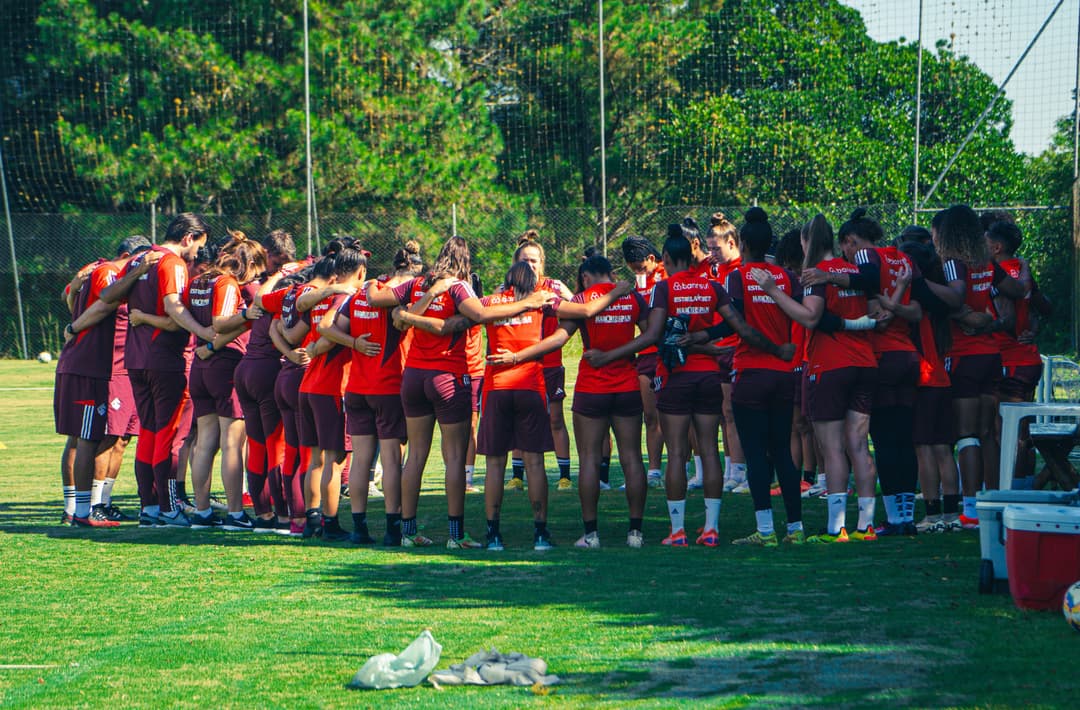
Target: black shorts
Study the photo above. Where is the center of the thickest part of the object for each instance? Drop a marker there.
(646, 365)
(760, 389)
(1019, 382)
(974, 375)
(934, 423)
(687, 393)
(79, 407)
(832, 393)
(897, 378)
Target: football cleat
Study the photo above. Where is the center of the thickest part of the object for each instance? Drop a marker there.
(361, 536)
(494, 543)
(463, 543)
(515, 484)
(96, 519)
(173, 519)
(565, 484)
(816, 491)
(238, 524)
(416, 540)
(827, 538)
(951, 522)
(543, 543)
(589, 541)
(694, 484)
(905, 529)
(931, 524)
(729, 484)
(635, 539)
(967, 523)
(677, 538)
(708, 538)
(114, 513)
(66, 518)
(757, 539)
(741, 487)
(604, 486)
(868, 535)
(205, 522)
(264, 525)
(797, 537)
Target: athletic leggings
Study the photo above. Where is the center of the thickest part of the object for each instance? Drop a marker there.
(766, 436)
(894, 452)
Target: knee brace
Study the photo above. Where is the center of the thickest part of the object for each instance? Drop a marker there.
(966, 441)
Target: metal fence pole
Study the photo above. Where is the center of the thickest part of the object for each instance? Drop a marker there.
(603, 141)
(1076, 195)
(14, 261)
(307, 126)
(918, 119)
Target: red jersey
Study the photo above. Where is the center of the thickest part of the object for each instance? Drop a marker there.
(705, 269)
(442, 353)
(514, 334)
(889, 260)
(932, 372)
(722, 271)
(1013, 352)
(607, 330)
(90, 352)
(150, 348)
(551, 321)
(644, 289)
(844, 348)
(760, 311)
(696, 299)
(474, 351)
(978, 282)
(373, 374)
(217, 297)
(326, 374)
(798, 336)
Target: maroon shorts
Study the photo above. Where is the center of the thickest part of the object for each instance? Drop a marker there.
(159, 398)
(800, 385)
(691, 393)
(185, 424)
(555, 382)
(974, 375)
(760, 389)
(123, 419)
(379, 415)
(287, 399)
(445, 396)
(831, 394)
(322, 422)
(1019, 382)
(79, 406)
(934, 422)
(513, 419)
(646, 365)
(726, 361)
(477, 385)
(255, 380)
(213, 388)
(897, 378)
(597, 405)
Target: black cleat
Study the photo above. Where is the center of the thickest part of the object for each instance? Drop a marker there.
(391, 540)
(361, 536)
(114, 513)
(205, 522)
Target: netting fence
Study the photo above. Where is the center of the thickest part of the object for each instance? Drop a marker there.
(487, 116)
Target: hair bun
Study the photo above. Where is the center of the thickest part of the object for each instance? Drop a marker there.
(412, 246)
(689, 222)
(756, 215)
(858, 213)
(530, 235)
(717, 218)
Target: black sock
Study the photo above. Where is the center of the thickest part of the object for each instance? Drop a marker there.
(635, 524)
(393, 524)
(952, 503)
(456, 526)
(518, 465)
(330, 522)
(605, 465)
(181, 489)
(590, 526)
(408, 526)
(564, 467)
(809, 476)
(540, 528)
(933, 507)
(313, 515)
(359, 521)
(493, 528)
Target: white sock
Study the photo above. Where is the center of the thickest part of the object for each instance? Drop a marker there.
(738, 472)
(866, 511)
(893, 512)
(204, 513)
(969, 507)
(821, 480)
(95, 493)
(764, 521)
(237, 516)
(106, 491)
(676, 510)
(907, 507)
(698, 474)
(82, 504)
(794, 527)
(727, 467)
(712, 513)
(69, 500)
(837, 512)
(469, 474)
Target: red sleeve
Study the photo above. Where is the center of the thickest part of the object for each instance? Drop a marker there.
(402, 292)
(226, 297)
(100, 278)
(485, 301)
(172, 276)
(272, 301)
(461, 291)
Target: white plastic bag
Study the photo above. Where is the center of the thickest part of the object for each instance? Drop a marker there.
(405, 670)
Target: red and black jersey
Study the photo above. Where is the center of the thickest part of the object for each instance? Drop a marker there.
(978, 282)
(696, 299)
(90, 353)
(760, 311)
(607, 330)
(889, 260)
(442, 353)
(514, 334)
(844, 348)
(373, 374)
(326, 373)
(260, 346)
(722, 272)
(645, 291)
(217, 297)
(150, 348)
(1013, 352)
(551, 321)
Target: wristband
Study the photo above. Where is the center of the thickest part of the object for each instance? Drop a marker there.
(210, 345)
(70, 329)
(861, 323)
(514, 355)
(243, 313)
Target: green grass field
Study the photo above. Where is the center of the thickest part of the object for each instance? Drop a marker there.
(152, 618)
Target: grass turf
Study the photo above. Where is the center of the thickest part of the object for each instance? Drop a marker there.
(145, 618)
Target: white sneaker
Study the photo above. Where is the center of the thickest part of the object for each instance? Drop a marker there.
(655, 480)
(589, 541)
(605, 486)
(634, 539)
(729, 485)
(741, 487)
(694, 484)
(373, 490)
(817, 490)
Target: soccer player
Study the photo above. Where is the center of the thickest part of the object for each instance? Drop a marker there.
(155, 361)
(531, 252)
(376, 419)
(322, 414)
(214, 299)
(435, 382)
(841, 374)
(689, 393)
(643, 259)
